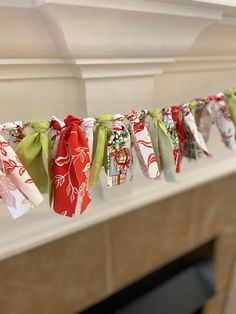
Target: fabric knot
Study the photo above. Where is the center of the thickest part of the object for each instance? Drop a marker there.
(133, 116)
(118, 121)
(143, 114)
(71, 120)
(40, 126)
(88, 123)
(210, 98)
(185, 109)
(229, 92)
(56, 124)
(104, 120)
(167, 111)
(156, 114)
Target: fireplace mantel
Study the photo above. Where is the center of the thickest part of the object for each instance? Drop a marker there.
(87, 57)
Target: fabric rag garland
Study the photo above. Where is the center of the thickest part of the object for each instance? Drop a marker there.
(65, 158)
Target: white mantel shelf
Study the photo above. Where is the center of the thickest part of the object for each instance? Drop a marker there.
(89, 57)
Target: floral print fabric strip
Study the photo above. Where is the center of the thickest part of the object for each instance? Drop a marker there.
(223, 121)
(143, 146)
(13, 132)
(71, 169)
(14, 200)
(17, 175)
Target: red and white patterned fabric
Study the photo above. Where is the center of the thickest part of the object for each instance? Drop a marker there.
(14, 200)
(13, 132)
(223, 121)
(17, 181)
(177, 117)
(143, 146)
(71, 169)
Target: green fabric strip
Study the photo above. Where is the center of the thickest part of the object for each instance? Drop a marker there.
(163, 147)
(193, 105)
(101, 137)
(34, 152)
(231, 103)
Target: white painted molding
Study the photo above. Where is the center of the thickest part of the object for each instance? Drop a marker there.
(144, 6)
(17, 3)
(16, 69)
(230, 3)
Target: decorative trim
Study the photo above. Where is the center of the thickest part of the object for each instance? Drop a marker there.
(16, 69)
(145, 6)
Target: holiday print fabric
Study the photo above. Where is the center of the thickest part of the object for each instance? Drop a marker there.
(15, 178)
(119, 158)
(143, 146)
(223, 121)
(71, 169)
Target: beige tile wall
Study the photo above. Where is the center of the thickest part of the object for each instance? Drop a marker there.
(81, 269)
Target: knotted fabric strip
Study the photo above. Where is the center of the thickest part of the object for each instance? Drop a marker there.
(56, 126)
(101, 137)
(34, 153)
(71, 169)
(14, 200)
(223, 121)
(143, 146)
(180, 129)
(231, 103)
(165, 147)
(87, 125)
(196, 135)
(202, 116)
(119, 157)
(170, 127)
(20, 193)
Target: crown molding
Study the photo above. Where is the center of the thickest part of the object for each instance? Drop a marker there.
(17, 3)
(144, 6)
(52, 29)
(17, 69)
(230, 3)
